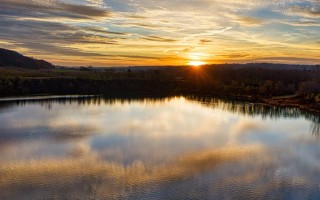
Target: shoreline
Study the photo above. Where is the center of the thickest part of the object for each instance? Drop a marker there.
(294, 101)
(44, 97)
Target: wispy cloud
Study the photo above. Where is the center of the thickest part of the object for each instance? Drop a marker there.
(50, 9)
(168, 29)
(304, 11)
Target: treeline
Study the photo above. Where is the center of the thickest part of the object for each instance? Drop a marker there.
(22, 86)
(207, 80)
(255, 81)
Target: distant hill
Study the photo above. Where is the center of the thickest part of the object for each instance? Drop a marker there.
(10, 58)
(271, 66)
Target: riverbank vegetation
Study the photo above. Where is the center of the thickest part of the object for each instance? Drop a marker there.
(268, 84)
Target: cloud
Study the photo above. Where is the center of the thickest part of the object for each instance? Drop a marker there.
(54, 38)
(50, 9)
(207, 33)
(53, 175)
(303, 23)
(82, 10)
(249, 21)
(294, 60)
(99, 28)
(305, 11)
(204, 41)
(236, 55)
(158, 39)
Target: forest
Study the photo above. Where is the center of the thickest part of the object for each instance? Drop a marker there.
(231, 80)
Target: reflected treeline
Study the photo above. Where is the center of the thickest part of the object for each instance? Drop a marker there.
(315, 128)
(84, 100)
(258, 109)
(227, 104)
(255, 109)
(6, 105)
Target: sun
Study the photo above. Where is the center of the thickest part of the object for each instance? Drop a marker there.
(196, 63)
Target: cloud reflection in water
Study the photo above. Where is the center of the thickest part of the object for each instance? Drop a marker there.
(152, 149)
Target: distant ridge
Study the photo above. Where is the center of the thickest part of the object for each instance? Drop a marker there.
(10, 58)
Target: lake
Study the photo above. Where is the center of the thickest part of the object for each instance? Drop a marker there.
(156, 148)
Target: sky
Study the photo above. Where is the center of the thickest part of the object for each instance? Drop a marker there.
(162, 32)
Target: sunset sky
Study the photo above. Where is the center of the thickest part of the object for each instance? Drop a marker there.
(162, 32)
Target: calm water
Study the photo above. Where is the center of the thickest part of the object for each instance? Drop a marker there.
(171, 148)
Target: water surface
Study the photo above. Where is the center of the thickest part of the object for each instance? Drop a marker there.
(169, 148)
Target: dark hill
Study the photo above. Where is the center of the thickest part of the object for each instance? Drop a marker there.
(10, 58)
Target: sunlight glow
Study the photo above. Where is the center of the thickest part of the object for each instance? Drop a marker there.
(196, 63)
